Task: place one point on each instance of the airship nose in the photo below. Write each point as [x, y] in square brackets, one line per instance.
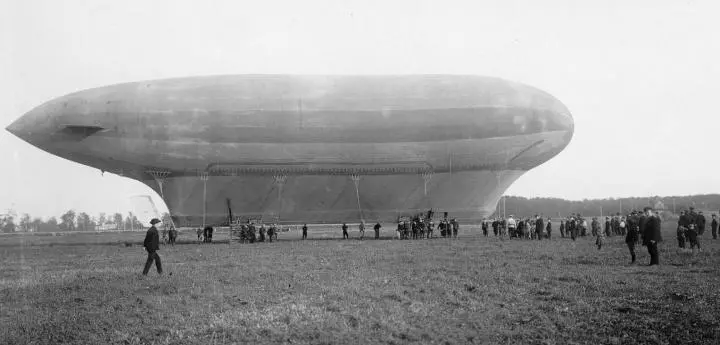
[32, 127]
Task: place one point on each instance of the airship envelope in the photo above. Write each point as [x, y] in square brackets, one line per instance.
[302, 148]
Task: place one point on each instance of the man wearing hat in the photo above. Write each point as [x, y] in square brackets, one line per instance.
[651, 235]
[152, 245]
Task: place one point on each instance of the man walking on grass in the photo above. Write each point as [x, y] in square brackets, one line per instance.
[152, 245]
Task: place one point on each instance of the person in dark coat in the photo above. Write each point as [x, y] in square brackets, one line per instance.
[652, 235]
[304, 231]
[271, 232]
[345, 233]
[682, 228]
[631, 237]
[261, 233]
[608, 227]
[152, 245]
[692, 231]
[377, 230]
[714, 226]
[455, 227]
[172, 236]
[548, 228]
[562, 228]
[539, 227]
[207, 232]
[700, 221]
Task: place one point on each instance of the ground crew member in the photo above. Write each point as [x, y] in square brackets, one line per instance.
[539, 226]
[304, 231]
[455, 227]
[714, 226]
[199, 234]
[251, 232]
[608, 227]
[548, 228]
[377, 230]
[172, 236]
[599, 234]
[208, 233]
[692, 232]
[345, 233]
[511, 224]
[682, 227]
[652, 236]
[152, 245]
[573, 229]
[271, 233]
[244, 233]
[632, 235]
[362, 229]
[562, 228]
[700, 221]
[262, 233]
[595, 226]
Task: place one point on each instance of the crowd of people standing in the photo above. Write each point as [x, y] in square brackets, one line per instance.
[637, 227]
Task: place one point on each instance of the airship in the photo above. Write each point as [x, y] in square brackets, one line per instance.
[309, 148]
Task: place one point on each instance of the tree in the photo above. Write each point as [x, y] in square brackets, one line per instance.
[8, 224]
[83, 221]
[129, 221]
[118, 218]
[68, 221]
[36, 223]
[25, 222]
[52, 221]
[137, 224]
[166, 220]
[101, 219]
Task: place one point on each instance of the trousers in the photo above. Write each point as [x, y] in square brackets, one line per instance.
[152, 256]
[654, 255]
[631, 246]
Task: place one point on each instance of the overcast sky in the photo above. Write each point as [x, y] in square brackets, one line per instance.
[640, 77]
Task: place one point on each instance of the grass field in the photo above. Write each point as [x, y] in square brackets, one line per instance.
[87, 289]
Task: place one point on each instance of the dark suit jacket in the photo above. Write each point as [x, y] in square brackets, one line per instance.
[539, 225]
[152, 240]
[700, 223]
[651, 230]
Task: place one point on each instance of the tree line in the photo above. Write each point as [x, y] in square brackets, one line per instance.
[72, 221]
[556, 207]
[516, 205]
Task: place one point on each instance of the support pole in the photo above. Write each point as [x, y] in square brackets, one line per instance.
[159, 176]
[427, 176]
[504, 217]
[356, 180]
[279, 180]
[204, 177]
